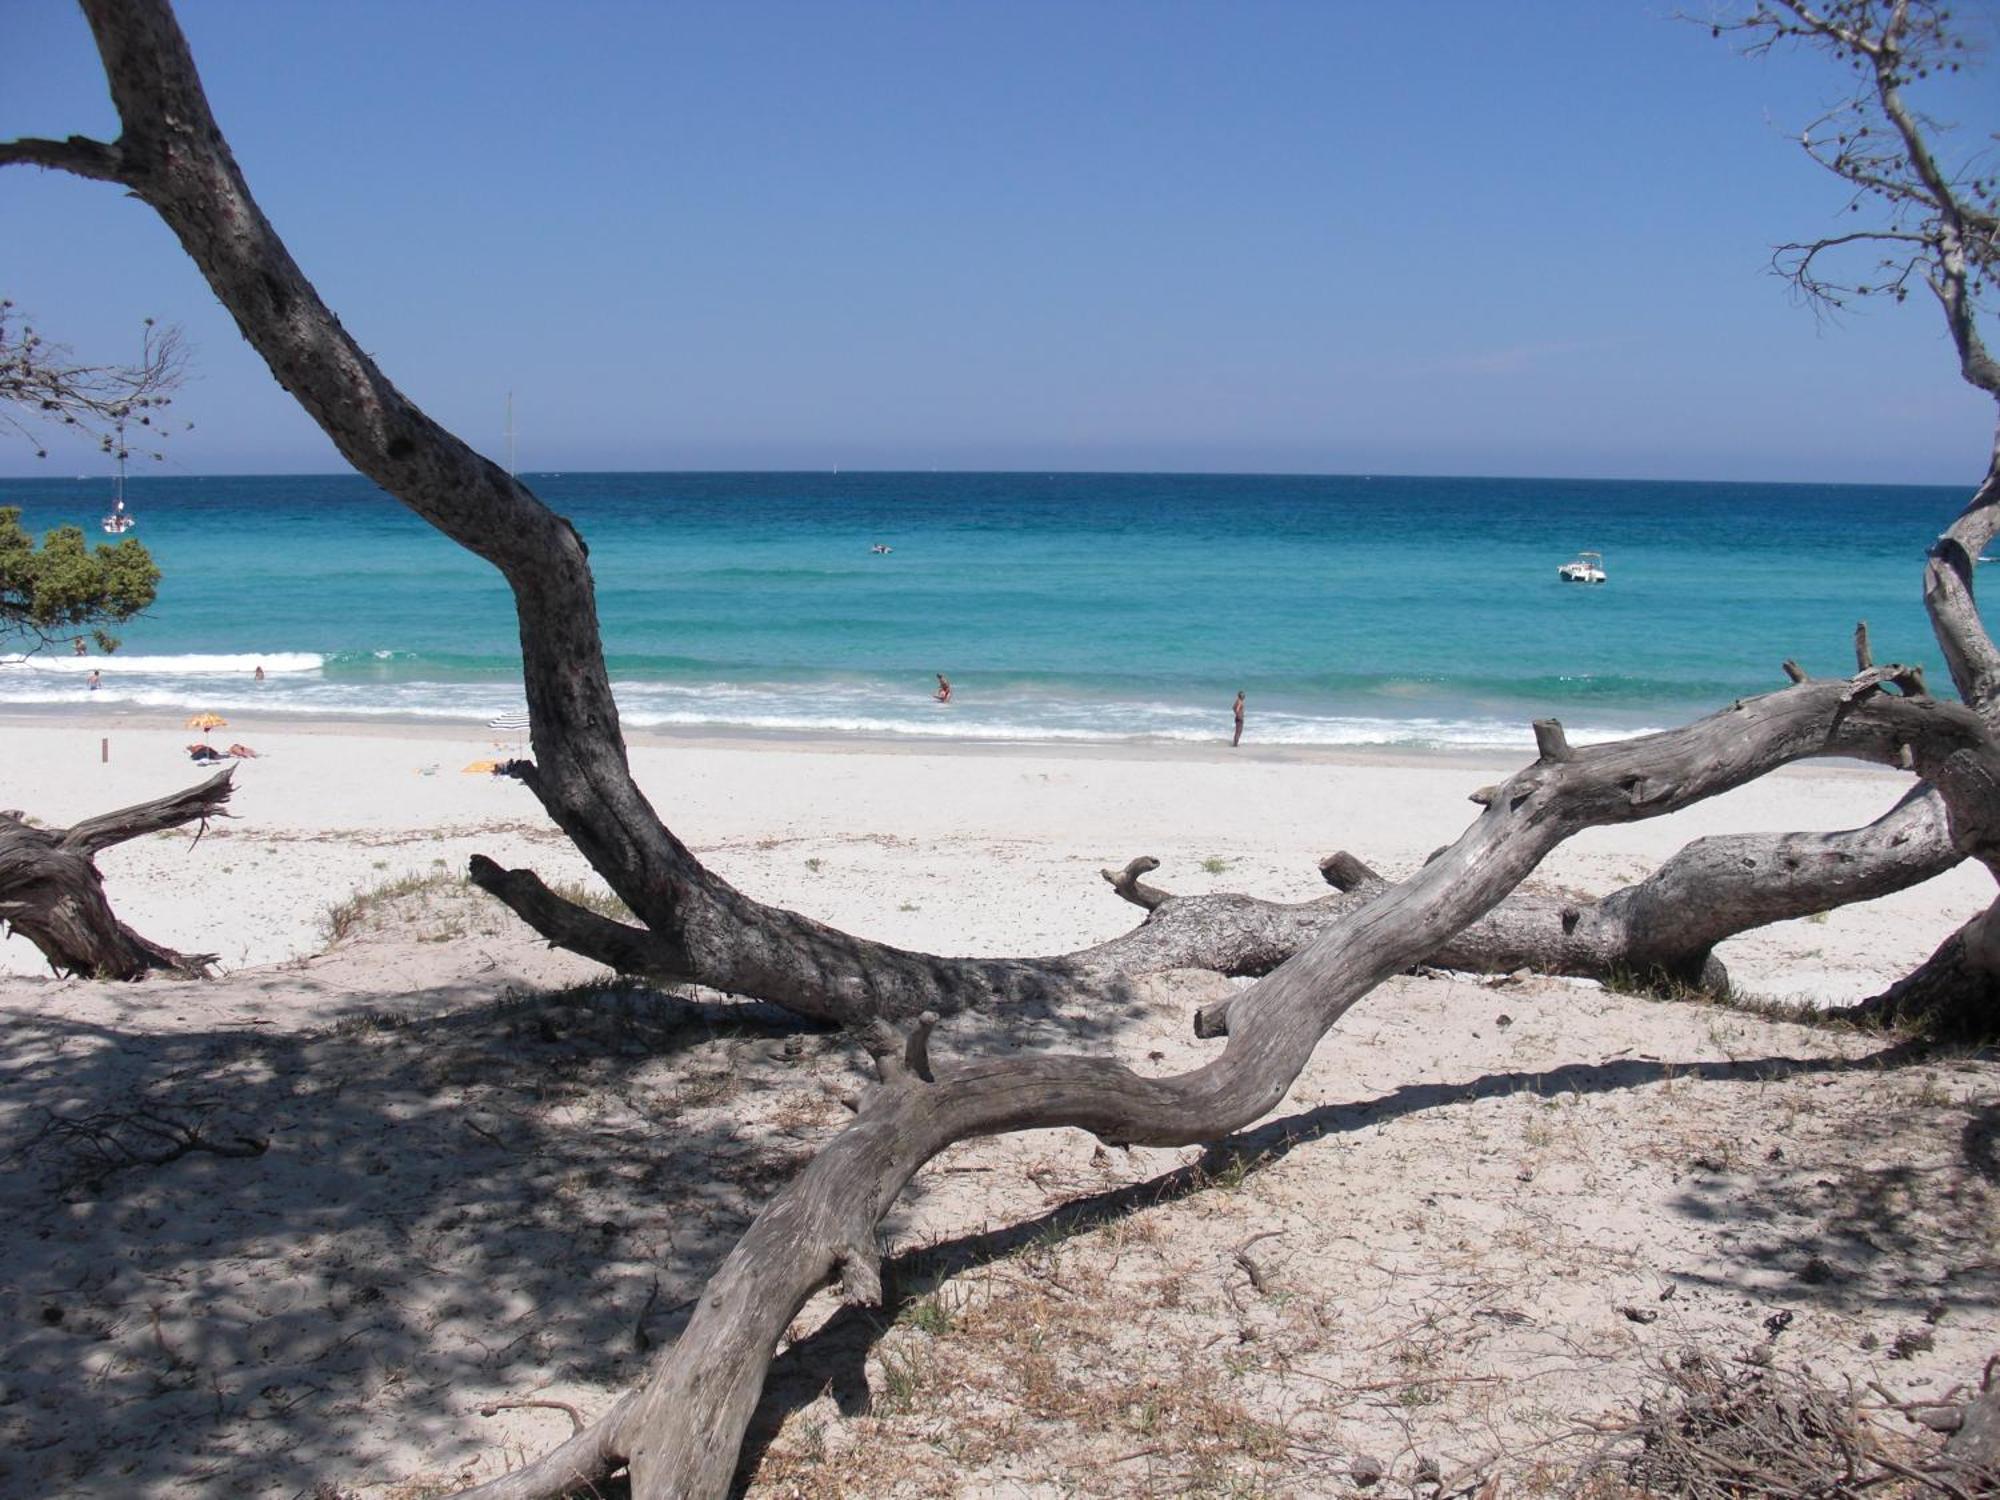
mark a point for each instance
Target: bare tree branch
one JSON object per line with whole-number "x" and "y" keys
{"x": 44, "y": 386}
{"x": 681, "y": 1437}
{"x": 52, "y": 895}
{"x": 1880, "y": 145}
{"x": 79, "y": 155}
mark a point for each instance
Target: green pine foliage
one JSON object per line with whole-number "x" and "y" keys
{"x": 64, "y": 586}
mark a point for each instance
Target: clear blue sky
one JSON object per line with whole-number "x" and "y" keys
{"x": 1441, "y": 237}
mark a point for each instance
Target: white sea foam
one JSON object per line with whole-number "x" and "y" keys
{"x": 1294, "y": 732}
{"x": 62, "y": 663}
{"x": 296, "y": 687}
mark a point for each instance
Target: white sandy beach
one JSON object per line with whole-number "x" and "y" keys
{"x": 972, "y": 849}
{"x": 1484, "y": 1215}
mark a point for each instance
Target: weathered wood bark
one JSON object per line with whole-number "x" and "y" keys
{"x": 1976, "y": 1444}
{"x": 172, "y": 155}
{"x": 680, "y": 1436}
{"x": 1954, "y": 993}
{"x": 52, "y": 894}
{"x": 691, "y": 925}
{"x": 1663, "y": 928}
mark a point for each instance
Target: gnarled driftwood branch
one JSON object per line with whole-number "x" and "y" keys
{"x": 52, "y": 894}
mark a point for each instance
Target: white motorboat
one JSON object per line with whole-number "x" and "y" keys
{"x": 1585, "y": 567}
{"x": 118, "y": 522}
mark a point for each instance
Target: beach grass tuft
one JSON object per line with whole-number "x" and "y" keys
{"x": 344, "y": 918}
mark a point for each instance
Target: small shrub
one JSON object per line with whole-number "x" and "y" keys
{"x": 927, "y": 1315}
{"x": 344, "y": 917}
{"x": 906, "y": 1373}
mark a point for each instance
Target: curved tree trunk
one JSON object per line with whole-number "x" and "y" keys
{"x": 1955, "y": 993}
{"x": 692, "y": 925}
{"x": 1976, "y": 1444}
{"x": 680, "y": 1434}
{"x": 1663, "y": 928}
{"x": 52, "y": 894}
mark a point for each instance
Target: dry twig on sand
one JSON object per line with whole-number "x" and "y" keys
{"x": 1744, "y": 1429}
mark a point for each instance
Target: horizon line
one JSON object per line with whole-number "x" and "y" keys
{"x": 1051, "y": 473}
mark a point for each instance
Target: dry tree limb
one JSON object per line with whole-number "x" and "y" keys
{"x": 680, "y": 1435}
{"x": 1127, "y": 884}
{"x": 1667, "y": 926}
{"x": 145, "y": 1135}
{"x": 1976, "y": 1443}
{"x": 690, "y": 925}
{"x": 1550, "y": 741}
{"x": 1344, "y": 872}
{"x": 52, "y": 894}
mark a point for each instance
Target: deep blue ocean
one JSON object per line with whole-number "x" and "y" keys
{"x": 1352, "y": 611}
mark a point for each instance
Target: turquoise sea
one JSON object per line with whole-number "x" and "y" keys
{"x": 1353, "y": 611}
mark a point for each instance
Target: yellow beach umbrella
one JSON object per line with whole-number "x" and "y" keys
{"x": 206, "y": 722}
{"x": 488, "y": 766}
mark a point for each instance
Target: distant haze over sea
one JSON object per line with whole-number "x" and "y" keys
{"x": 1353, "y": 611}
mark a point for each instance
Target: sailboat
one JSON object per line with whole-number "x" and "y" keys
{"x": 117, "y": 522}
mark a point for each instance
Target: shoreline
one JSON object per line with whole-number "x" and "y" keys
{"x": 111, "y": 720}
{"x": 885, "y": 716}
{"x": 1503, "y": 759}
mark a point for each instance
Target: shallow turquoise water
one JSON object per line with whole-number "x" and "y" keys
{"x": 1394, "y": 611}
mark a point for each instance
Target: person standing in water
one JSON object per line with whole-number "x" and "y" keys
{"x": 943, "y": 688}
{"x": 1239, "y": 722}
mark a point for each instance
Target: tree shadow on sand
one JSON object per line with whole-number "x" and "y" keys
{"x": 441, "y": 1209}
{"x": 245, "y": 1258}
{"x": 456, "y": 1203}
{"x": 1786, "y": 1217}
